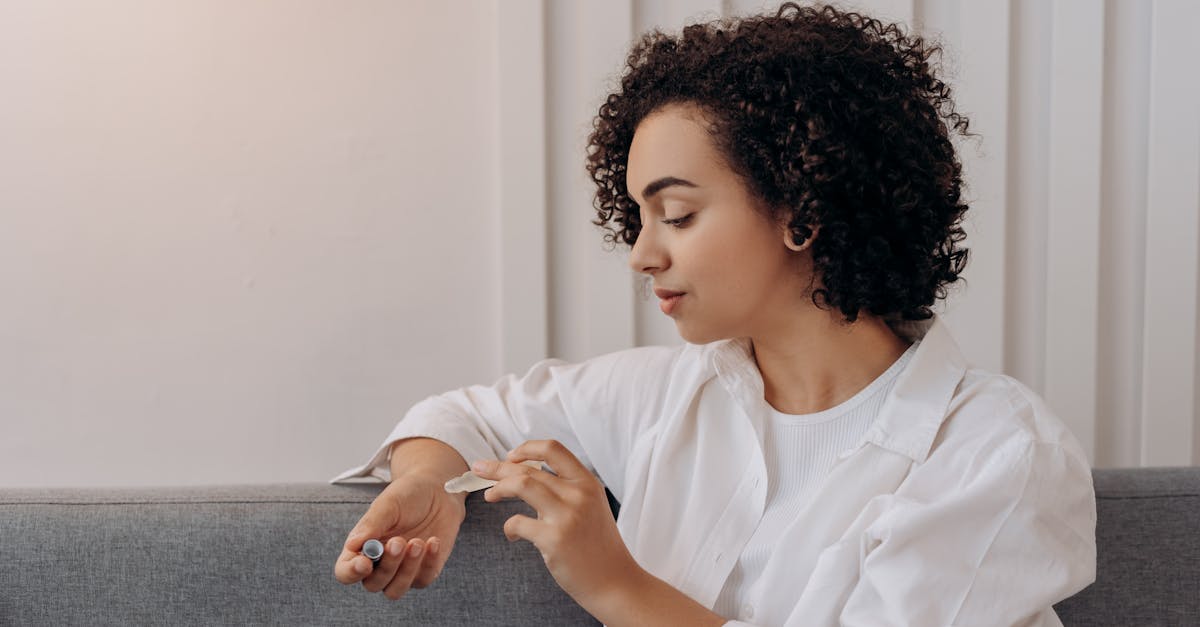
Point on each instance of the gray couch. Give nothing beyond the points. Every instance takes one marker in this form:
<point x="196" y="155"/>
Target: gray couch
<point x="264" y="555"/>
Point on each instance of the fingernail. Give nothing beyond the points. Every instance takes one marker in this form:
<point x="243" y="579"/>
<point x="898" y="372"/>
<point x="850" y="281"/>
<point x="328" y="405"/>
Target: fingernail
<point x="416" y="549"/>
<point x="362" y="568"/>
<point x="395" y="548"/>
<point x="482" y="465"/>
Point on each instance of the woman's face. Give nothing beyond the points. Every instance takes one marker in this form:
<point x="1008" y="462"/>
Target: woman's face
<point x="738" y="276"/>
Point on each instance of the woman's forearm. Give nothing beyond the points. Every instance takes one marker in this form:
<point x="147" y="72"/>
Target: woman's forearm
<point x="648" y="600"/>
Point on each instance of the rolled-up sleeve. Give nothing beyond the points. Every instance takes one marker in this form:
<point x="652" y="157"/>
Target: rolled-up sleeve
<point x="595" y="408"/>
<point x="1001" y="544"/>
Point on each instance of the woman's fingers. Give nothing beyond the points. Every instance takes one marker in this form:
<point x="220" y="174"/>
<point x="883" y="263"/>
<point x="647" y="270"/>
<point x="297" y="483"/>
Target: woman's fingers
<point x="431" y="564"/>
<point x="398" y="570"/>
<point x="402" y="580"/>
<point x="558" y="457"/>
<point x="533" y="488"/>
<point x="393" y="559"/>
<point x="351" y="567"/>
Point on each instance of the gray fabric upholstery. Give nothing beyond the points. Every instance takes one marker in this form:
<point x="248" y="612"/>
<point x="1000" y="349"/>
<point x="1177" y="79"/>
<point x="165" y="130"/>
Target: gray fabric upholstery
<point x="264" y="555"/>
<point x="1147" y="550"/>
<point x="247" y="556"/>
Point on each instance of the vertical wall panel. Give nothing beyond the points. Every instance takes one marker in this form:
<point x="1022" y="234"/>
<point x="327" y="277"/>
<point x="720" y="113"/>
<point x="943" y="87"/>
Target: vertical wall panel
<point x="567" y="236"/>
<point x="976" y="312"/>
<point x="979" y="75"/>
<point x="1074" y="214"/>
<point x="1122" y="234"/>
<point x="1028" y="183"/>
<point x="591" y="290"/>
<point x="524" y="336"/>
<point x="610" y="290"/>
<point x="1173" y="202"/>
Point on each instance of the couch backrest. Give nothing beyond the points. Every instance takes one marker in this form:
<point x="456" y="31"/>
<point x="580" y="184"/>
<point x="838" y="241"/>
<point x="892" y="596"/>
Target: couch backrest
<point x="249" y="555"/>
<point x="1147" y="550"/>
<point x="264" y="555"/>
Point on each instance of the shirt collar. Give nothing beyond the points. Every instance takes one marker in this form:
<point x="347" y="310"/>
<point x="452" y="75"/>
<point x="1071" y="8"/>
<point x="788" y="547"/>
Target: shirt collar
<point x="915" y="408"/>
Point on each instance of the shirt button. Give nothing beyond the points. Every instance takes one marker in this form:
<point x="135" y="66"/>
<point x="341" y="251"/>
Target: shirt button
<point x="747" y="611"/>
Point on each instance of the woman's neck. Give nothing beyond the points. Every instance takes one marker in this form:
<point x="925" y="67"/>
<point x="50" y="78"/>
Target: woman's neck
<point x="812" y="366"/>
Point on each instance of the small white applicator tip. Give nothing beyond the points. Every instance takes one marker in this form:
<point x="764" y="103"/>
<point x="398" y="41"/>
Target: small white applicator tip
<point x="470" y="482"/>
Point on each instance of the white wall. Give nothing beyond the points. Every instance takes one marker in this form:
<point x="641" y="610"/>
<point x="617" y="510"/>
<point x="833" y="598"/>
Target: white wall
<point x="238" y="239"/>
<point x="237" y="242"/>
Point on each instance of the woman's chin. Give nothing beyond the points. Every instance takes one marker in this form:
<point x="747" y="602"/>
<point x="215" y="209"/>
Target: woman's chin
<point x="692" y="335"/>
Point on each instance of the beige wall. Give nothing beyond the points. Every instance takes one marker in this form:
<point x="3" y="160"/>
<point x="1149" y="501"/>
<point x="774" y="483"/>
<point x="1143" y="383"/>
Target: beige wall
<point x="237" y="239"/>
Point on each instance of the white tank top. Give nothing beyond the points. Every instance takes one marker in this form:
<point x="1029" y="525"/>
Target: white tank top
<point x="799" y="451"/>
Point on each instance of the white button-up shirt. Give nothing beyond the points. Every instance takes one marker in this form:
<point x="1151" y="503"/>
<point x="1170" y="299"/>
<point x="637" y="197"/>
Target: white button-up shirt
<point x="967" y="502"/>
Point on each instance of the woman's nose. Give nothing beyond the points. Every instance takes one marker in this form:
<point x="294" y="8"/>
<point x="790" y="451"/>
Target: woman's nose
<point x="646" y="256"/>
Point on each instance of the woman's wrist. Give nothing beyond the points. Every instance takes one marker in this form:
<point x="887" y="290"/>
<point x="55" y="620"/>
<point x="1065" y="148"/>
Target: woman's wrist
<point x="425" y="457"/>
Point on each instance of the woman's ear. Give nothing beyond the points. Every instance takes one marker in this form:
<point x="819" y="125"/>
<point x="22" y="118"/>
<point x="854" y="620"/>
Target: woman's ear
<point x="801" y="237"/>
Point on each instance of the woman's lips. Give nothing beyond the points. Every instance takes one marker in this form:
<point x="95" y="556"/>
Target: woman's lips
<point x="667" y="305"/>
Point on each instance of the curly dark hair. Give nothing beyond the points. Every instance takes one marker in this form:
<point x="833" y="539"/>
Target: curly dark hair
<point x="832" y="119"/>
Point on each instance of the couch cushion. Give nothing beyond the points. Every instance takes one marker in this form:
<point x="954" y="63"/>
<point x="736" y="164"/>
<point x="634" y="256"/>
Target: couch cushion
<point x="247" y="555"/>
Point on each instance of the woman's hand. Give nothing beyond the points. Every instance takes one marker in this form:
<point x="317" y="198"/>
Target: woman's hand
<point x="575" y="530"/>
<point x="412" y="513"/>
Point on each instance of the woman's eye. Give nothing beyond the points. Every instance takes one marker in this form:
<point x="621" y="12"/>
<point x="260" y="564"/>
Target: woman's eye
<point x="678" y="222"/>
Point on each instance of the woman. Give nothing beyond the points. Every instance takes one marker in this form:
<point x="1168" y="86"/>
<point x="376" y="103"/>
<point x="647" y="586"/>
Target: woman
<point x="819" y="451"/>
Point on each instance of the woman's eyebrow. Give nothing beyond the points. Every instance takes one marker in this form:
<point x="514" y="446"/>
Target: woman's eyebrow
<point x="663" y="183"/>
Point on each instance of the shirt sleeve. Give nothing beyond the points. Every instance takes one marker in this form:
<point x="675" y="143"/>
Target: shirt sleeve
<point x="998" y="544"/>
<point x="597" y="408"/>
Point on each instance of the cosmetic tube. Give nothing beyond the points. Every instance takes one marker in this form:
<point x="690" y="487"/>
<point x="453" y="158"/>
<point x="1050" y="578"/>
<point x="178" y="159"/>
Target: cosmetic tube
<point x="373" y="549"/>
